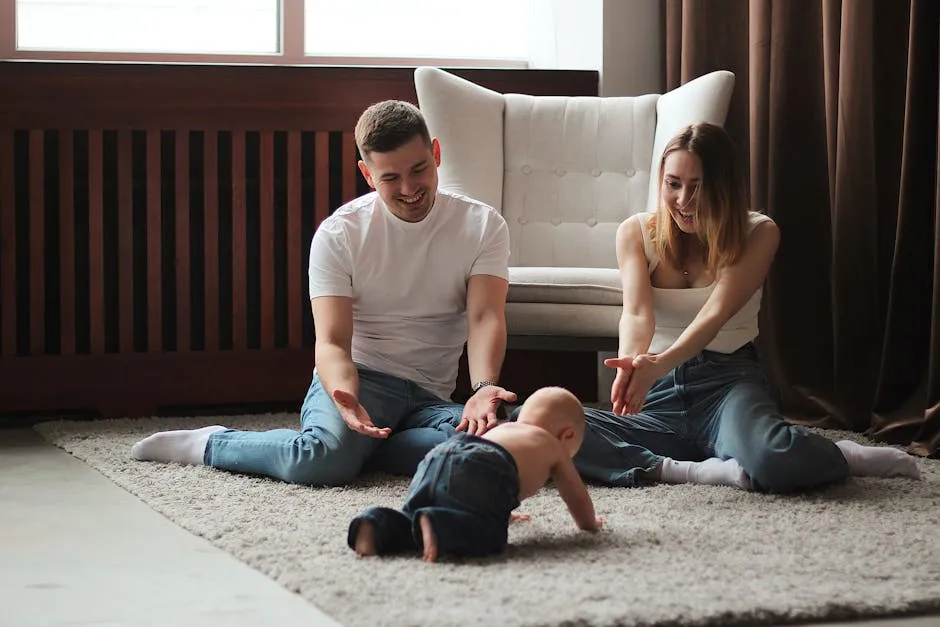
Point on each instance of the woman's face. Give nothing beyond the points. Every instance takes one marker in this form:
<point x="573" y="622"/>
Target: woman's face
<point x="682" y="178"/>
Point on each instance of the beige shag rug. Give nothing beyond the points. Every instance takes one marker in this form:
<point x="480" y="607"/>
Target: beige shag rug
<point x="670" y="555"/>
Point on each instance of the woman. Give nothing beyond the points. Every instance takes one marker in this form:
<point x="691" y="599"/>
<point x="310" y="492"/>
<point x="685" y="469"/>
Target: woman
<point x="689" y="384"/>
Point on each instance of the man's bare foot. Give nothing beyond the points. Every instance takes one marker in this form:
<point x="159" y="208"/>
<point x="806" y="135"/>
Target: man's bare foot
<point x="365" y="539"/>
<point x="427" y="537"/>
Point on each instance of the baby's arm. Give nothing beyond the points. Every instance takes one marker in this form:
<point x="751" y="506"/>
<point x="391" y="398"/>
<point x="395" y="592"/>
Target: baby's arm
<point x="572" y="490"/>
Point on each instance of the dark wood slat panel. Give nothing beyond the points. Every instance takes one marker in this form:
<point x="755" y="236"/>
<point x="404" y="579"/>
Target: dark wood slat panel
<point x="137" y="384"/>
<point x="350" y="169"/>
<point x="7" y="243"/>
<point x="8" y="247"/>
<point x="154" y="242"/>
<point x="321" y="179"/>
<point x="125" y="173"/>
<point x="134" y="96"/>
<point x="96" y="240"/>
<point x="67" y="242"/>
<point x="239" y="238"/>
<point x="37" y="267"/>
<point x="295" y="285"/>
<point x="211" y="239"/>
<point x="183" y="320"/>
<point x="267" y="240"/>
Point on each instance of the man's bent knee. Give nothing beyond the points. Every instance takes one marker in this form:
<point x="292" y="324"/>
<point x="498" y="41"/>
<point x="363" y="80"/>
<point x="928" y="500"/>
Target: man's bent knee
<point x="314" y="463"/>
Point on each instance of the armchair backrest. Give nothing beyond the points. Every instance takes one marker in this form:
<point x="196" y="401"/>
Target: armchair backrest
<point x="563" y="171"/>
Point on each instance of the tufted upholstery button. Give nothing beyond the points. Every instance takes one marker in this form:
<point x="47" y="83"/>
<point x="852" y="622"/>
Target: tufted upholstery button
<point x="591" y="221"/>
<point x="523" y="220"/>
<point x="560" y="171"/>
<point x="527" y="169"/>
<point x="631" y="172"/>
<point x="556" y="221"/>
<point x="595" y="172"/>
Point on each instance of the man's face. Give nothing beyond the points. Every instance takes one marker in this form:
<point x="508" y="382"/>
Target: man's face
<point x="405" y="178"/>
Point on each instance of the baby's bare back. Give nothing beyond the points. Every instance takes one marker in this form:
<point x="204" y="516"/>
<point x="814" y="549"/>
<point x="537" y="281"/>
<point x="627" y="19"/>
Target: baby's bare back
<point x="535" y="450"/>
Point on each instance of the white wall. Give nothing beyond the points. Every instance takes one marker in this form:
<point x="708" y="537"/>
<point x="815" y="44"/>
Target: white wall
<point x="619" y="38"/>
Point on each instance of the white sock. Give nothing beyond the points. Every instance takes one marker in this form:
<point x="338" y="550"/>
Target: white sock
<point x="186" y="446"/>
<point x="877" y="461"/>
<point x="712" y="471"/>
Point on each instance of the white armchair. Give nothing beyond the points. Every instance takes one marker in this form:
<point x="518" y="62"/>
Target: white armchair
<point x="564" y="172"/>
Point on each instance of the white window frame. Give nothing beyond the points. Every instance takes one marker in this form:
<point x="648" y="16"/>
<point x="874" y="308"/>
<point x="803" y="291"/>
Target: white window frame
<point x="292" y="49"/>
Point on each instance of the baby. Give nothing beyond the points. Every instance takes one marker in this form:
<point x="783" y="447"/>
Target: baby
<point x="463" y="494"/>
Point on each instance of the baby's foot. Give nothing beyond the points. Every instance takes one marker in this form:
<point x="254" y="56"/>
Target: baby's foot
<point x="430" y="542"/>
<point x="365" y="539"/>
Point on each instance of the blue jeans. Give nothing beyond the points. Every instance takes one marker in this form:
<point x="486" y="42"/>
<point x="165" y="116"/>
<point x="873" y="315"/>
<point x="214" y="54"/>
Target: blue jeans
<point x="467" y="487"/>
<point x="327" y="452"/>
<point x="714" y="405"/>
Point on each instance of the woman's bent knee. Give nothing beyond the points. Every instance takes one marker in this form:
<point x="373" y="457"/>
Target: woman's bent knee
<point x="796" y="460"/>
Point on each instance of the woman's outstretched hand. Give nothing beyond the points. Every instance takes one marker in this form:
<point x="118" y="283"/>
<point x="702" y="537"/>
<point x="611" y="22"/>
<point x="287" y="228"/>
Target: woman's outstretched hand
<point x="646" y="370"/>
<point x="618" y="391"/>
<point x="635" y="377"/>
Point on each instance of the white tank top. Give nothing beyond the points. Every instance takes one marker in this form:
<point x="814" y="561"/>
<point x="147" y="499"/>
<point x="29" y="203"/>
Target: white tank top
<point x="674" y="309"/>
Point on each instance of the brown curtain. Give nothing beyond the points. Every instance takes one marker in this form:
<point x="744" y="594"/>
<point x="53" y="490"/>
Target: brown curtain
<point x="835" y="111"/>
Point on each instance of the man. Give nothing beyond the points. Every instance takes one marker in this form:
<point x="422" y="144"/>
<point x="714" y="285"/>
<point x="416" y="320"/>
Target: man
<point x="400" y="279"/>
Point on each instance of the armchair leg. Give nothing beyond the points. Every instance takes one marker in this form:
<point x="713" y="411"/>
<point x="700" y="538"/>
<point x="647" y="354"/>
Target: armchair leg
<point x="605" y="377"/>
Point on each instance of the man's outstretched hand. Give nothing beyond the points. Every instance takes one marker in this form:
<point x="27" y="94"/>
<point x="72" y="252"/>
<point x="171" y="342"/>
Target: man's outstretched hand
<point x="479" y="414"/>
<point x="356" y="417"/>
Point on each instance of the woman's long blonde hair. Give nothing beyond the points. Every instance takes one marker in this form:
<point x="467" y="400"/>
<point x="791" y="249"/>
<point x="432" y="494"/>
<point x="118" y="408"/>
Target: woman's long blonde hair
<point x="722" y="213"/>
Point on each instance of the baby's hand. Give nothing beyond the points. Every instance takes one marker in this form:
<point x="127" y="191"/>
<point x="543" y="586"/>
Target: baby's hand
<point x="598" y="523"/>
<point x="519" y="517"/>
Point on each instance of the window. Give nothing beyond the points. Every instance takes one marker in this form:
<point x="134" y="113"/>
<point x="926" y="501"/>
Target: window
<point x="372" y="32"/>
<point x="193" y="26"/>
<point x="454" y="29"/>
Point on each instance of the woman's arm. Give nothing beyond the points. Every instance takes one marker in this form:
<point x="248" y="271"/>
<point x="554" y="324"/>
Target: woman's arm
<point x="735" y="287"/>
<point x="637" y="322"/>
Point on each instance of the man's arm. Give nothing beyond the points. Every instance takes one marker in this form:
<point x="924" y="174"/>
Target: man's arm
<point x="486" y="348"/>
<point x="575" y="495"/>
<point x="486" y="318"/>
<point x="333" y="325"/>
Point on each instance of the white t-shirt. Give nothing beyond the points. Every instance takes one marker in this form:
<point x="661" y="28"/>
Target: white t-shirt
<point x="408" y="281"/>
<point x="675" y="309"/>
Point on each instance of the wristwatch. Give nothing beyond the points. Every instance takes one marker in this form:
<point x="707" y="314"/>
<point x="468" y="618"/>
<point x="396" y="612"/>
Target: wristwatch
<point x="479" y="385"/>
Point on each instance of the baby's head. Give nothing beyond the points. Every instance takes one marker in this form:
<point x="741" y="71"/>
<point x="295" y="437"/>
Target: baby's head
<point x="559" y="412"/>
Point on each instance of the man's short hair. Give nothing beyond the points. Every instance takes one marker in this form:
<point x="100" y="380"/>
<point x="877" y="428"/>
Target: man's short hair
<point x="388" y="125"/>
